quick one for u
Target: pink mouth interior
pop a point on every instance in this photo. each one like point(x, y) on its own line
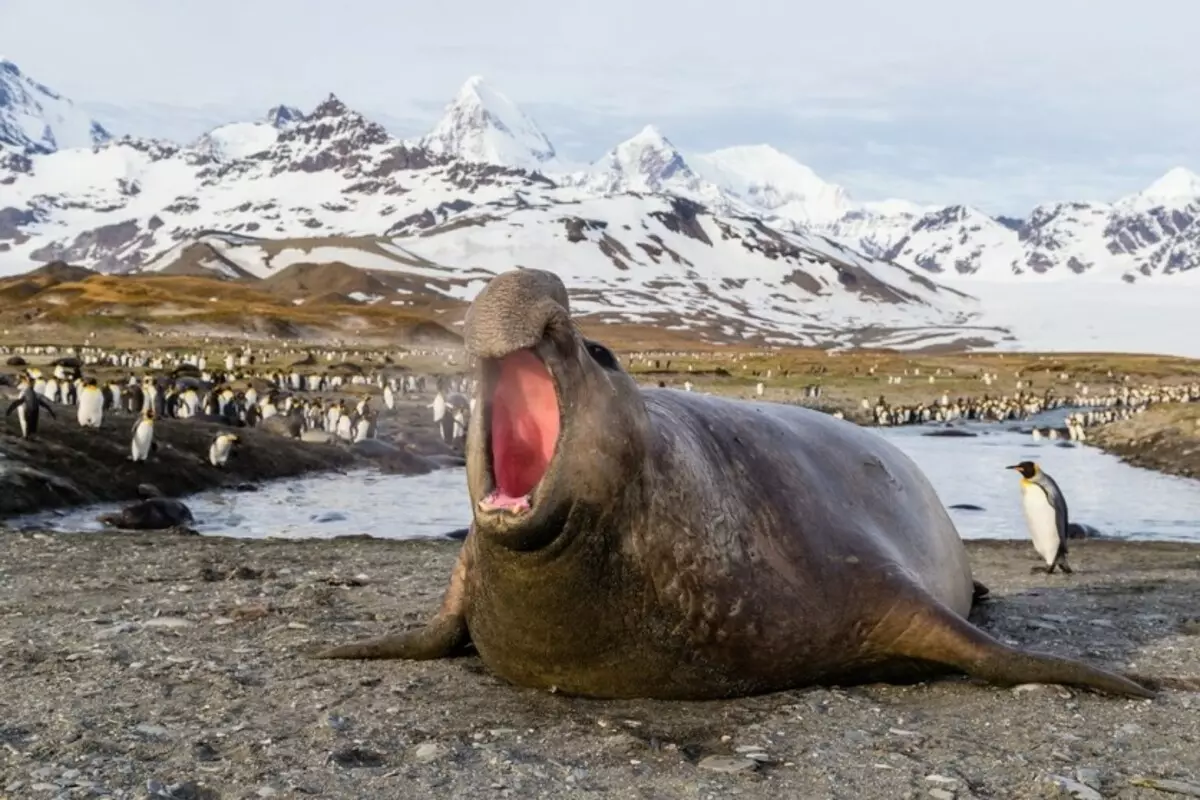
point(525, 426)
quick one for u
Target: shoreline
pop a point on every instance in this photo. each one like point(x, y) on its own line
point(1164, 438)
point(66, 466)
point(137, 657)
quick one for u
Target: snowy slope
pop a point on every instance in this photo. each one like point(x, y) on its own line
point(775, 182)
point(743, 241)
point(33, 119)
point(243, 139)
point(251, 199)
point(482, 125)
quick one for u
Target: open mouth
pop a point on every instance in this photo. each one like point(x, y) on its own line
point(523, 431)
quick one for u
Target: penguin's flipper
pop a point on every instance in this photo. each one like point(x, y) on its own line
point(13, 405)
point(979, 592)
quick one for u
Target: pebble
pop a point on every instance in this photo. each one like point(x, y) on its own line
point(1174, 787)
point(428, 751)
point(1127, 731)
point(1088, 776)
point(941, 794)
point(116, 630)
point(1075, 789)
point(727, 764)
point(167, 622)
point(152, 731)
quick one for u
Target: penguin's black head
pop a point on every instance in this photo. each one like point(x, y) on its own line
point(1028, 469)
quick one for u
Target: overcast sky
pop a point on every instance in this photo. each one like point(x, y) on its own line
point(940, 101)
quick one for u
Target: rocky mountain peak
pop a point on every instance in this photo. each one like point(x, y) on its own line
point(35, 119)
point(483, 125)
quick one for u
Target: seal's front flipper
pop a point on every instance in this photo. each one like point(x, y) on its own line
point(444, 636)
point(931, 632)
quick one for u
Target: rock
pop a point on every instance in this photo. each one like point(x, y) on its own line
point(1127, 731)
point(428, 751)
point(941, 794)
point(116, 630)
point(355, 756)
point(1072, 788)
point(727, 764)
point(203, 751)
point(167, 622)
point(152, 731)
point(1165, 785)
point(1088, 776)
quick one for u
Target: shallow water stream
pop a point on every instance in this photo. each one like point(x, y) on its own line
point(1120, 500)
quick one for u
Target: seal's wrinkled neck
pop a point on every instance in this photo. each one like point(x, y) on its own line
point(524, 428)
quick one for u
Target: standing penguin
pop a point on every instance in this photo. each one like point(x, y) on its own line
point(1046, 514)
point(28, 405)
point(91, 405)
point(222, 446)
point(143, 436)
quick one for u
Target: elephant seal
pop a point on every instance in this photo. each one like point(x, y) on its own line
point(151, 514)
point(657, 543)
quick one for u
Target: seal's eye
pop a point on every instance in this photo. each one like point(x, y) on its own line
point(602, 355)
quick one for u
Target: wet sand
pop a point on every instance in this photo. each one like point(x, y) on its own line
point(174, 660)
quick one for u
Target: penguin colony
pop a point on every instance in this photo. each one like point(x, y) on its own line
point(286, 401)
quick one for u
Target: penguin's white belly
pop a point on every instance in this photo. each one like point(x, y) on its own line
point(344, 428)
point(142, 437)
point(218, 453)
point(1043, 526)
point(21, 419)
point(91, 409)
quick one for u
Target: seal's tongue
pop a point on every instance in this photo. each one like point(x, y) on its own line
point(524, 425)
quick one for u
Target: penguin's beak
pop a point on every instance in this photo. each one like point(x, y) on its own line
point(1013, 466)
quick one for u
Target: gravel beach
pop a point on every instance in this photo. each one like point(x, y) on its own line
point(168, 666)
point(1165, 438)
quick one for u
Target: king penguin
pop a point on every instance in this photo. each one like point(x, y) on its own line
point(143, 436)
point(222, 446)
point(1046, 514)
point(91, 405)
point(27, 405)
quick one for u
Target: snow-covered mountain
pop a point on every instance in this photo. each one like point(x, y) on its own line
point(34, 119)
point(739, 242)
point(248, 200)
point(1154, 232)
point(484, 126)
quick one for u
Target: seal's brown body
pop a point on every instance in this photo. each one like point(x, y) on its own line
point(737, 560)
point(684, 546)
